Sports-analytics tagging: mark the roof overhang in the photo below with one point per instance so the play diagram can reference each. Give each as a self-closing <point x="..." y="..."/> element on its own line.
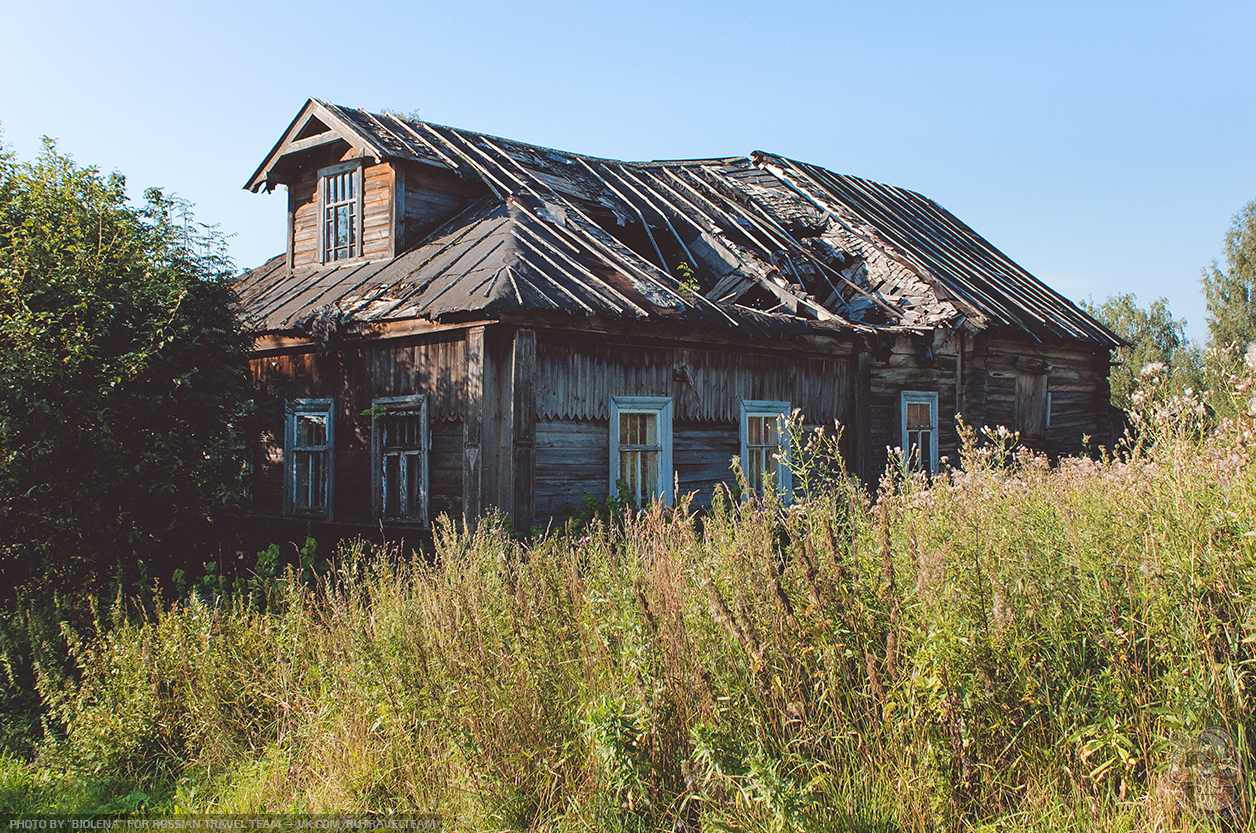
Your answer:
<point x="337" y="129"/>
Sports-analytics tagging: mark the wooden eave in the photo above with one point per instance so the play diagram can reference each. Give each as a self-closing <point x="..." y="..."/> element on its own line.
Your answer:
<point x="337" y="129"/>
<point x="827" y="341"/>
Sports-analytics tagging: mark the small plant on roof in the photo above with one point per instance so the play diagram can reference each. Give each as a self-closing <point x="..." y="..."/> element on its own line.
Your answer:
<point x="687" y="279"/>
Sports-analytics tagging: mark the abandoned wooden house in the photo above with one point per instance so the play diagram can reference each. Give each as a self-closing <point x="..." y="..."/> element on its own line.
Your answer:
<point x="461" y="322"/>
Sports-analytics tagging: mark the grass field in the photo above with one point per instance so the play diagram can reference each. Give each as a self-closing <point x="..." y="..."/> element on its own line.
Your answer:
<point x="1015" y="646"/>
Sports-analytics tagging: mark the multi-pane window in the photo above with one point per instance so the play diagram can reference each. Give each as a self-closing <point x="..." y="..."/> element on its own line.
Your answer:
<point x="341" y="204"/>
<point x="920" y="430"/>
<point x="764" y="446"/>
<point x="400" y="445"/>
<point x="308" y="446"/>
<point x="641" y="448"/>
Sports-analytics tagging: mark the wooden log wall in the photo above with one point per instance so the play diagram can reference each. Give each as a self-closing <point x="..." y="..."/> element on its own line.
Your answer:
<point x="576" y="380"/>
<point x="1076" y="379"/>
<point x="542" y="404"/>
<point x="912" y="364"/>
<point x="353" y="377"/>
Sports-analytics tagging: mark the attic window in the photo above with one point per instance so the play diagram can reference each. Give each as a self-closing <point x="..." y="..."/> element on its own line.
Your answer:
<point x="340" y="201"/>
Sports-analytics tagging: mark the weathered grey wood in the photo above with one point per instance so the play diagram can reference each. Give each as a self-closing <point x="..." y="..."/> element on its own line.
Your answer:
<point x="862" y="416"/>
<point x="473" y="428"/>
<point x="570" y="464"/>
<point x="959" y="373"/>
<point x="523" y="427"/>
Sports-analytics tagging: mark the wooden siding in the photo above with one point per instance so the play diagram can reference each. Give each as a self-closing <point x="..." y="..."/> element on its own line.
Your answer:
<point x="431" y="197"/>
<point x="575" y="380"/>
<point x="303" y="209"/>
<point x="1076" y="381"/>
<point x="377" y="201"/>
<point x="353" y="377"/>
<point x="571" y="462"/>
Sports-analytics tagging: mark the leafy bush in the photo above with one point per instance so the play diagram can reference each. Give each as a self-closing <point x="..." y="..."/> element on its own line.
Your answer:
<point x="121" y="368"/>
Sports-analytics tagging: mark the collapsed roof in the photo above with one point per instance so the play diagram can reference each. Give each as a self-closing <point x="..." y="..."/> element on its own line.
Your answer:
<point x="763" y="243"/>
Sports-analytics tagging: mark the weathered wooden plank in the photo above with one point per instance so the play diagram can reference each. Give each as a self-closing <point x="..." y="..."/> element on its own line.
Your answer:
<point x="862" y="418"/>
<point x="473" y="428"/>
<point x="523" y="383"/>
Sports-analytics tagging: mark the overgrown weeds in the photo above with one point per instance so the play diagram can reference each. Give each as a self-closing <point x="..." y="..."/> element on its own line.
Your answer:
<point x="1013" y="645"/>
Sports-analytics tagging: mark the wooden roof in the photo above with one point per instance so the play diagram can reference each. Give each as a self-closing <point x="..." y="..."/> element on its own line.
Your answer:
<point x="773" y="243"/>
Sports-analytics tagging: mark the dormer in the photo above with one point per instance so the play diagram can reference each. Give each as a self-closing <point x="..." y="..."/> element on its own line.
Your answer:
<point x="357" y="190"/>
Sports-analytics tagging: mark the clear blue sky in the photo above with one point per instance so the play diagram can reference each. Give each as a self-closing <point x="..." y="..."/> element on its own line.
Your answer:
<point x="1104" y="146"/>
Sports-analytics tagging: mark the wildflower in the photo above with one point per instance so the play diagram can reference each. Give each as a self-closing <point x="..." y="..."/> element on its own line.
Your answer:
<point x="1251" y="357"/>
<point x="1152" y="369"/>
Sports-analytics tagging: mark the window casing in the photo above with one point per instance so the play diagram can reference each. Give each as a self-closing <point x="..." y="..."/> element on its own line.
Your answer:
<point x="309" y="458"/>
<point x="400" y="445"/>
<point x="641" y="447"/>
<point x="765" y="445"/>
<point x="340" y="211"/>
<point x="920" y="430"/>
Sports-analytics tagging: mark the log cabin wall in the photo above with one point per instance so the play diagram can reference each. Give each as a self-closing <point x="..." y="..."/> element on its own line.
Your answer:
<point x="911" y="363"/>
<point x="1006" y="371"/>
<point x="428" y="197"/>
<point x="353" y="376"/>
<point x="577" y="378"/>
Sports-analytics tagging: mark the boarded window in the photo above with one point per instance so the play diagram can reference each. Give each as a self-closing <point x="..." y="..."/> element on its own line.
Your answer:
<point x="1032" y="405"/>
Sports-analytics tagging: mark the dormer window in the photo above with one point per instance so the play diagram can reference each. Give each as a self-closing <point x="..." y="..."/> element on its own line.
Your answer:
<point x="340" y="197"/>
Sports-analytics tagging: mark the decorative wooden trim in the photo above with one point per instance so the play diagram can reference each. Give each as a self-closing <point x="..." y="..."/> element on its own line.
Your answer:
<point x="662" y="407"/>
<point x="523" y="417"/>
<point x="781" y="410"/>
<point x="861" y="390"/>
<point x="473" y="430"/>
<point x="287" y="144"/>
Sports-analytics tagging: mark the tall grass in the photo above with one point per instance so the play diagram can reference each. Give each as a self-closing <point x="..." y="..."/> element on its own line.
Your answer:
<point x="1015" y="645"/>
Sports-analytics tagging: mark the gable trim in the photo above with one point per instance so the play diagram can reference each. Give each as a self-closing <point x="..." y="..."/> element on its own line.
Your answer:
<point x="337" y="129"/>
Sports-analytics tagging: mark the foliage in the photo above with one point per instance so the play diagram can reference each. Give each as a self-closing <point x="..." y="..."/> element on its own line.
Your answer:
<point x="121" y="370"/>
<point x="1155" y="337"/>
<point x="1231" y="294"/>
<point x="1010" y="645"/>
<point x="687" y="279"/>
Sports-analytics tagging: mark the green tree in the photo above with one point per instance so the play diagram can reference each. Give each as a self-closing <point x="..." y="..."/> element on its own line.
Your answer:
<point x="1154" y="336"/>
<point x="1231" y="294"/>
<point x="121" y="370"/>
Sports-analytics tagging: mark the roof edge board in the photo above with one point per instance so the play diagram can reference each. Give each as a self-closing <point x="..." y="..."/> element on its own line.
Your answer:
<point x="337" y="126"/>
